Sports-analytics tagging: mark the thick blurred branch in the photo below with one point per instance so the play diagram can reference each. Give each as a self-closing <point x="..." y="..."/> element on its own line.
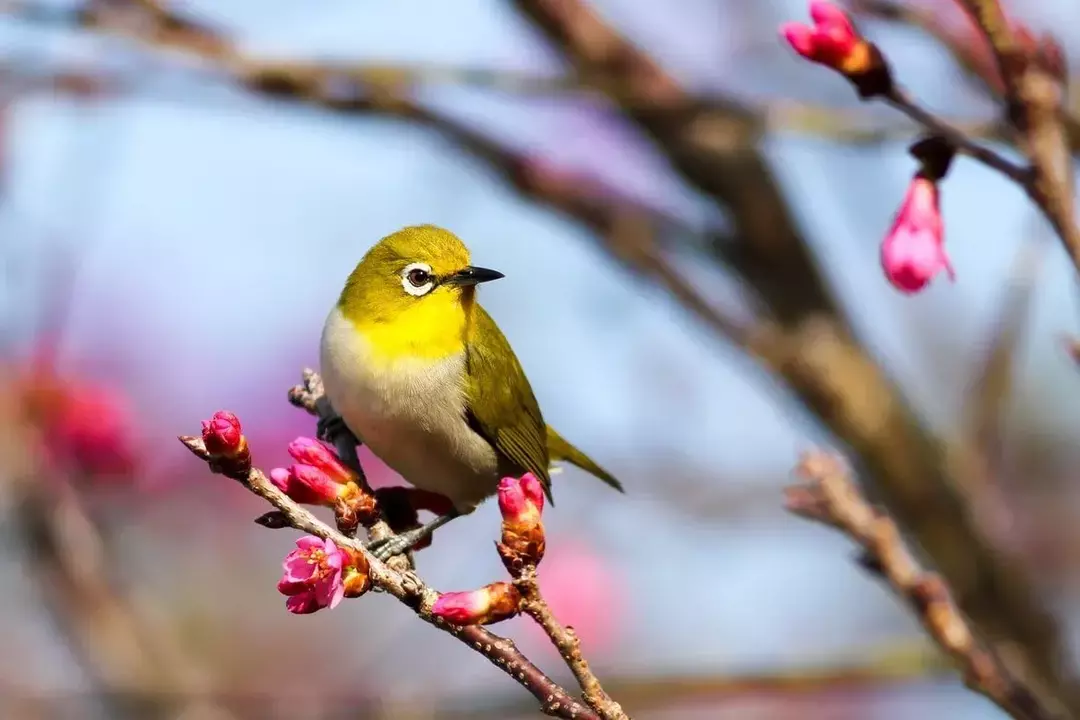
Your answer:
<point x="831" y="497"/>
<point x="813" y="348"/>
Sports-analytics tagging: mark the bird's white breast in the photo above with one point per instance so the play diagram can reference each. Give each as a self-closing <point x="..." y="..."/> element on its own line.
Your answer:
<point x="411" y="413"/>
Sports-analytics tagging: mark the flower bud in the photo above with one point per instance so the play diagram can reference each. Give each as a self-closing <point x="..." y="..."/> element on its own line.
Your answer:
<point x="832" y="41"/>
<point x="913" y="251"/>
<point x="311" y="452"/>
<point x="521" y="502"/>
<point x="225" y="444"/>
<point x="221" y="434"/>
<point x="489" y="604"/>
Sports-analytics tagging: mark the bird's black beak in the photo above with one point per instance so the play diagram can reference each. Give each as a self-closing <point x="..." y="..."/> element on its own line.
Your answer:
<point x="473" y="276"/>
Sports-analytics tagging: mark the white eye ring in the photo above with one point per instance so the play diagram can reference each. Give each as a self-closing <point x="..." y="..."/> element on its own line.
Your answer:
<point x="413" y="270"/>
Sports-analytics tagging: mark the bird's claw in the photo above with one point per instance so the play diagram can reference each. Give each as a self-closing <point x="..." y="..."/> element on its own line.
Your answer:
<point x="387" y="548"/>
<point x="327" y="428"/>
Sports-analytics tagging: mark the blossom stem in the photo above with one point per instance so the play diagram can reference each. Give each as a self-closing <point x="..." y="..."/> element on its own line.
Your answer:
<point x="902" y="101"/>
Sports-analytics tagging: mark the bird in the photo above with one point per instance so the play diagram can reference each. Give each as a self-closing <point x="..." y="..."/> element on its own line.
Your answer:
<point x="422" y="375"/>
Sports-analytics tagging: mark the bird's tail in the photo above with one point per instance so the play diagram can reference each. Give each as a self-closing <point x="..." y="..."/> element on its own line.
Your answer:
<point x="560" y="449"/>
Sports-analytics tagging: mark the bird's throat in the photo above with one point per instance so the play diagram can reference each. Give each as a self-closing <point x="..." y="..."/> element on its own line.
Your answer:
<point x="433" y="329"/>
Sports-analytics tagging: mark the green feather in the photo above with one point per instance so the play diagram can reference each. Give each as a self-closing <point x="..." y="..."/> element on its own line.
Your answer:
<point x="500" y="407"/>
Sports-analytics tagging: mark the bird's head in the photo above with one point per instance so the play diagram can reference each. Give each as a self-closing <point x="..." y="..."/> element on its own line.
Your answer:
<point x="418" y="281"/>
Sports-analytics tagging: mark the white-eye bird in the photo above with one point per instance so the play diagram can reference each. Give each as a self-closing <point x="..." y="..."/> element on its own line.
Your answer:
<point x="422" y="375"/>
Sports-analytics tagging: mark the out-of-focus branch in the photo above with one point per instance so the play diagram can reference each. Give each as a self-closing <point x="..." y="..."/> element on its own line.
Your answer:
<point x="966" y="48"/>
<point x="68" y="558"/>
<point x="405" y="586"/>
<point x="811" y="345"/>
<point x="991" y="390"/>
<point x="1034" y="97"/>
<point x="831" y="497"/>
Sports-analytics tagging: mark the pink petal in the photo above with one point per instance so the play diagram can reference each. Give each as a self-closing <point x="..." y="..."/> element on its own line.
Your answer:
<point x="800" y="37"/>
<point x="826" y="14"/>
<point x="304" y="604"/>
<point x="280" y="479"/>
<point x="310" y="542"/>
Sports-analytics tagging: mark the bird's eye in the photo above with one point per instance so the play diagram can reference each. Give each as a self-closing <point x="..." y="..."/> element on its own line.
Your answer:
<point x="418" y="277"/>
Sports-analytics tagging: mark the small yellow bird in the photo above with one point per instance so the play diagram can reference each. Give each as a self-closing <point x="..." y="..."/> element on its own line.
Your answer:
<point x="420" y="373"/>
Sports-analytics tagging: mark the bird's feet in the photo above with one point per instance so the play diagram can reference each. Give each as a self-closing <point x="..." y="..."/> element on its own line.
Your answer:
<point x="404" y="541"/>
<point x="399" y="544"/>
<point x="329" y="428"/>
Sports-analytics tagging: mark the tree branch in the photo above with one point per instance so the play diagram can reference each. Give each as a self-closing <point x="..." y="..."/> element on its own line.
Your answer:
<point x="830" y="497"/>
<point x="406" y="586"/>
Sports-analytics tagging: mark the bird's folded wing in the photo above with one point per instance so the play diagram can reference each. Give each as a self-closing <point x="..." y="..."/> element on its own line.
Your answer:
<point x="499" y="402"/>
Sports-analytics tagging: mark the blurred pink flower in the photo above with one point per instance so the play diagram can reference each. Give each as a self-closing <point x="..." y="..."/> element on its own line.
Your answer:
<point x="313" y="576"/>
<point x="913" y="252"/>
<point x="85" y="426"/>
<point x="831" y="41"/>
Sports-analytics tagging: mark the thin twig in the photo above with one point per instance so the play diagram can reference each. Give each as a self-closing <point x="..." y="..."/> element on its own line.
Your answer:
<point x="831" y="497"/>
<point x="902" y="101"/>
<point x="568" y="644"/>
<point x="410" y="590"/>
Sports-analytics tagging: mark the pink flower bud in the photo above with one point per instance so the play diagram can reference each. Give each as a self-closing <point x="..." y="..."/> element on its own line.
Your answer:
<point x="521" y="500"/>
<point x="221" y="434"/>
<point x="489" y="604"/>
<point x="913" y="252"/>
<point x="832" y="41"/>
<point x="307" y="485"/>
<point x="314" y="575"/>
<point x="312" y="452"/>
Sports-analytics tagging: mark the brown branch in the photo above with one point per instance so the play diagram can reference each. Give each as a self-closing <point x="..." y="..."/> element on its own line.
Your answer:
<point x="965" y="48"/>
<point x="902" y="101"/>
<point x="567" y="642"/>
<point x="406" y="586"/>
<point x="1035" y="107"/>
<point x="811" y="346"/>
<point x="830" y="497"/>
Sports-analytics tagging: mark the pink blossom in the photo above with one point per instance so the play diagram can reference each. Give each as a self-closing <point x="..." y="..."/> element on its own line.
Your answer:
<point x="831" y="41"/>
<point x="92" y="429"/>
<point x="913" y="252"/>
<point x="521" y="500"/>
<point x="311" y="452"/>
<point x="313" y="576"/>
<point x="221" y="434"/>
<point x="306" y="484"/>
<point x="483" y="606"/>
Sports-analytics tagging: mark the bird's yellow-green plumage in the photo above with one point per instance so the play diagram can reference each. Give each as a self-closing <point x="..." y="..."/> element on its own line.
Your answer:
<point x="423" y="375"/>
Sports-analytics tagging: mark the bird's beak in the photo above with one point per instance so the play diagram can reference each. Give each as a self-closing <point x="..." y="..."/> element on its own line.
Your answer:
<point x="473" y="276"/>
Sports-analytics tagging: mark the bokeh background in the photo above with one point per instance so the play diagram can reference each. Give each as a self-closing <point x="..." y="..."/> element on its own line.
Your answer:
<point x="171" y="238"/>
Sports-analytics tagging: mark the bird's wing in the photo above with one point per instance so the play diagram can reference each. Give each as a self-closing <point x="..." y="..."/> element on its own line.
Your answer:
<point x="560" y="449"/>
<point x="499" y="402"/>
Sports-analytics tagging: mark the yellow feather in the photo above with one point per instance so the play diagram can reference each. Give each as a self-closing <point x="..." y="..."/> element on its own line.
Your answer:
<point x="430" y="330"/>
